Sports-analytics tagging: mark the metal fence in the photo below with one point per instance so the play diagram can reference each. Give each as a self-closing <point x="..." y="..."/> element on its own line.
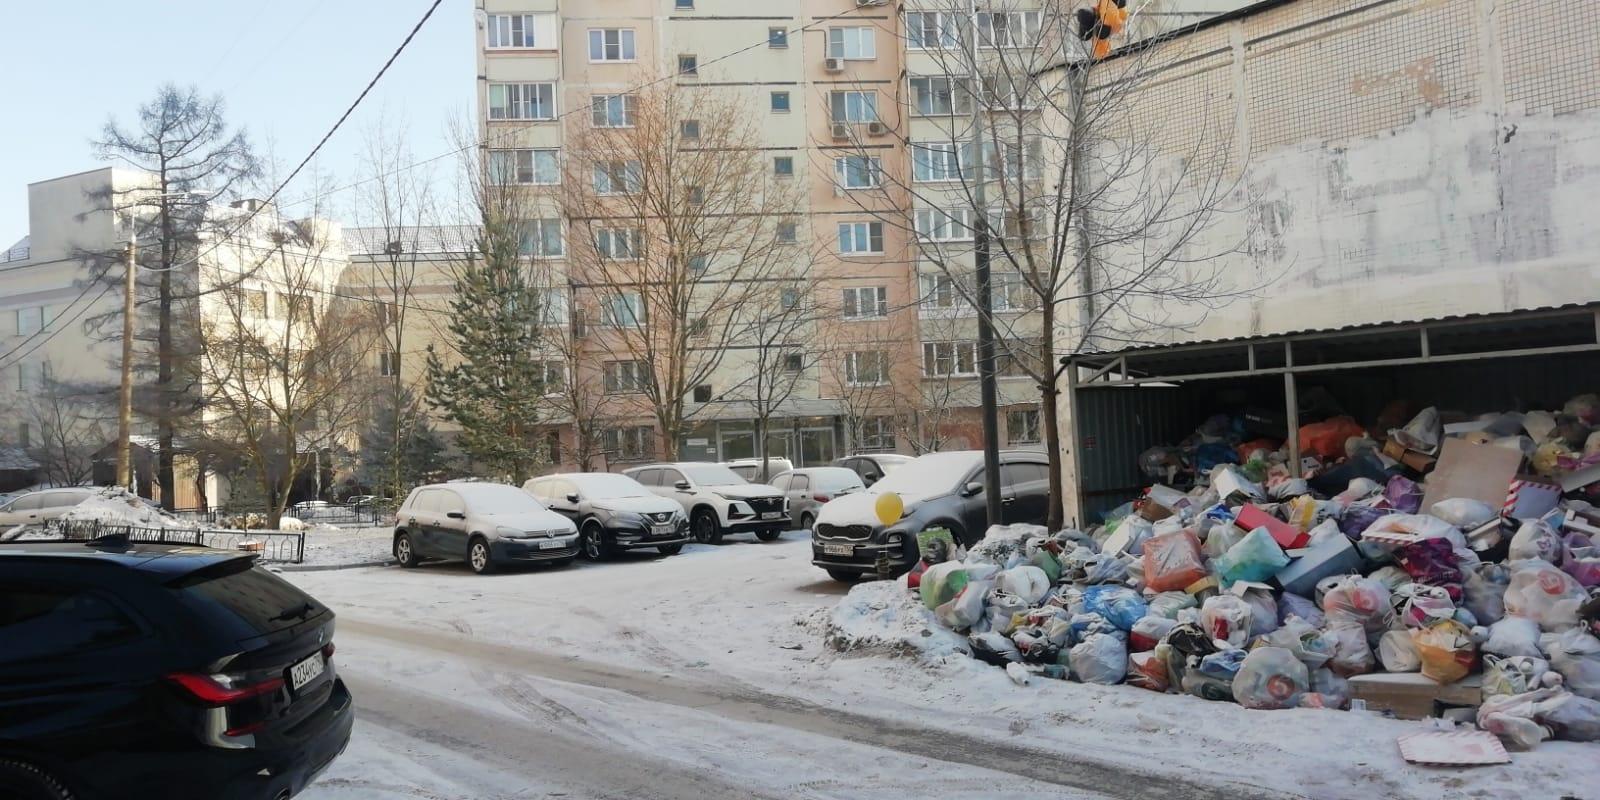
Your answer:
<point x="338" y="516"/>
<point x="284" y="546"/>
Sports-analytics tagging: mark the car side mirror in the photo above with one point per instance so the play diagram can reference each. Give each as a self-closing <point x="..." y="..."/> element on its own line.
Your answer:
<point x="682" y="486"/>
<point x="972" y="489"/>
<point x="456" y="514"/>
<point x="572" y="498"/>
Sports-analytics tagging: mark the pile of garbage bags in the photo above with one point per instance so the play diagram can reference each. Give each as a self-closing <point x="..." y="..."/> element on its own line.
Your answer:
<point x="1269" y="594"/>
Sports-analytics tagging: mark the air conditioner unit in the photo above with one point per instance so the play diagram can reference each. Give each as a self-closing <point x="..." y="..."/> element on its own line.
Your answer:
<point x="877" y="129"/>
<point x="841" y="130"/>
<point x="833" y="64"/>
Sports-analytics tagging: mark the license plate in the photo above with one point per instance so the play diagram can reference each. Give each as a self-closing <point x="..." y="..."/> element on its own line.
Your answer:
<point x="551" y="544"/>
<point x="772" y="515"/>
<point x="306" y="671"/>
<point x="665" y="527"/>
<point x="839" y="549"/>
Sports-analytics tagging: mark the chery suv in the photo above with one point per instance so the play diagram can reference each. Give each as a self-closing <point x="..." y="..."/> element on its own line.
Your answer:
<point x="717" y="500"/>
<point x="613" y="513"/>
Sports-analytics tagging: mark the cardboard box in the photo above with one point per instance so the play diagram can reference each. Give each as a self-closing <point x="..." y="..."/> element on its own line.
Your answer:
<point x="1412" y="459"/>
<point x="1331" y="555"/>
<point x="1409" y="695"/>
<point x="1479" y="471"/>
<point x="1287" y="536"/>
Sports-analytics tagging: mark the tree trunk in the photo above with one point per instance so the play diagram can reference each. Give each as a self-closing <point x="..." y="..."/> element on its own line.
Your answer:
<point x="1052" y="430"/>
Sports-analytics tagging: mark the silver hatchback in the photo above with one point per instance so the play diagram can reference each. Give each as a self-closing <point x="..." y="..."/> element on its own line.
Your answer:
<point x="809" y="488"/>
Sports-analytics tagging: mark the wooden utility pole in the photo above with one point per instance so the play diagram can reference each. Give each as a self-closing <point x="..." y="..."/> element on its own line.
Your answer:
<point x="125" y="394"/>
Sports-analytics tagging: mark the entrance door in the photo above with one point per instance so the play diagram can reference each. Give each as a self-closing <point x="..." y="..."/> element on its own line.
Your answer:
<point x="816" y="447"/>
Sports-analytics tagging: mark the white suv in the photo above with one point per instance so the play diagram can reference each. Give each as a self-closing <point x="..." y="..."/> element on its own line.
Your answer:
<point x="717" y="500"/>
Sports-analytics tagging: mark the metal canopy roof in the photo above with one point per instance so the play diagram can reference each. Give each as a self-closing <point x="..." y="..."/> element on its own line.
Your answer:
<point x="1562" y="329"/>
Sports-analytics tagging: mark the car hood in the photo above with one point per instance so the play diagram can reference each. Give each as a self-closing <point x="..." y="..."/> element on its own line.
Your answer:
<point x="745" y="492"/>
<point x="530" y="521"/>
<point x="649" y="504"/>
<point x="856" y="508"/>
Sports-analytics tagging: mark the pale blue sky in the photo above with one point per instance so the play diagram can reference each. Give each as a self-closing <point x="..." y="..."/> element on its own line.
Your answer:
<point x="288" y="68"/>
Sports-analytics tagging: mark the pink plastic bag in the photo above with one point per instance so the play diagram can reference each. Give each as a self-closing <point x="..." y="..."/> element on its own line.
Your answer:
<point x="1362" y="602"/>
<point x="1173" y="562"/>
<point x="1581" y="559"/>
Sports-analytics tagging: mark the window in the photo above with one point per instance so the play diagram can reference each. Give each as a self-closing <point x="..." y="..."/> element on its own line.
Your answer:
<point x="857" y="172"/>
<point x="778" y="37"/>
<point x="1008" y="92"/>
<point x="877" y="433"/>
<point x="521" y="30"/>
<point x="789" y="298"/>
<point x="387" y="313"/>
<point x="861" y="237"/>
<point x="541" y="238"/>
<point x="700" y="328"/>
<point x="388" y="364"/>
<point x="542" y="167"/>
<point x="614" y="110"/>
<point x="1017" y="159"/>
<point x="940" y="95"/>
<point x="616" y="177"/>
<point x="855" y="44"/>
<point x="853" y="106"/>
<point x="1008" y="28"/>
<point x="941" y="359"/>
<point x="932" y="30"/>
<point x="522" y="101"/>
<point x="631" y="444"/>
<point x="30" y="320"/>
<point x="944" y="224"/>
<point x="866" y="367"/>
<point x="939" y="161"/>
<point x="30" y="377"/>
<point x="51" y="621"/>
<point x="624" y="376"/>
<point x="552" y="376"/>
<point x="1009" y="292"/>
<point x="688" y="64"/>
<point x="698" y="264"/>
<point x="939" y="292"/>
<point x="689" y="129"/>
<point x="783" y="166"/>
<point x="683" y="5"/>
<point x="623" y="310"/>
<point x="253" y="303"/>
<point x="552" y="444"/>
<point x="702" y="393"/>
<point x="611" y="44"/>
<point x="552" y="306"/>
<point x="788" y="232"/>
<point x="1022" y="426"/>
<point x="297" y="306"/>
<point x="1017" y="473"/>
<point x="865" y="302"/>
<point x="697" y="195"/>
<point x="794" y="362"/>
<point x="618" y="244"/>
<point x="780" y="102"/>
<point x="1016" y="358"/>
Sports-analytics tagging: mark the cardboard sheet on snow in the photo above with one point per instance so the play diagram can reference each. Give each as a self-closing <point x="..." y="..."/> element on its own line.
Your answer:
<point x="1479" y="471"/>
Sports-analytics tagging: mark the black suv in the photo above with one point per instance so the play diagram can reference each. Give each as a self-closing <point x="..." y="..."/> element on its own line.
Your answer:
<point x="151" y="670"/>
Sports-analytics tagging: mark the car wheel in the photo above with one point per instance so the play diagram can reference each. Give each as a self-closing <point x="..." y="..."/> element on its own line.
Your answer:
<point x="403" y="551"/>
<point x="706" y="528"/>
<point x="670" y="549"/>
<point x="594" y="542"/>
<point x="842" y="576"/>
<point x="25" y="781"/>
<point x="808" y="520"/>
<point x="769" y="535"/>
<point x="479" y="556"/>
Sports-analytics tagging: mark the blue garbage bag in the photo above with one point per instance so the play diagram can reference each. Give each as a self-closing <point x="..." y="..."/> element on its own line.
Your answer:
<point x="1119" y="605"/>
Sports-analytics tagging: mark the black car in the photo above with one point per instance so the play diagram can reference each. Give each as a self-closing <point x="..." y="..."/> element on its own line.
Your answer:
<point x="613" y="513"/>
<point x="939" y="490"/>
<point x="872" y="467"/>
<point x="161" y="671"/>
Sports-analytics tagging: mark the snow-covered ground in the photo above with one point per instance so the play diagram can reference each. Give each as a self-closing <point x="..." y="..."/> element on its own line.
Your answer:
<point x="712" y="666"/>
<point x="326" y="545"/>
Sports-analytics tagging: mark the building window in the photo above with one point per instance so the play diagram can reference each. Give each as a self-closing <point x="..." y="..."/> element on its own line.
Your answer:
<point x="1015" y="358"/>
<point x="944" y="224"/>
<point x="932" y="30"/>
<point x="783" y="166"/>
<point x="541" y="238"/>
<point x="939" y="292"/>
<point x="860" y="237"/>
<point x="525" y="101"/>
<point x="629" y="444"/>
<point x="689" y="129"/>
<point x="552" y="445"/>
<point x="789" y="298"/>
<point x="853" y="106"/>
<point x="683" y="5"/>
<point x="616" y="177"/>
<point x="943" y="359"/>
<point x="30" y="320"/>
<point x="611" y="44"/>
<point x="778" y="37"/>
<point x="688" y="64"/>
<point x="855" y="44"/>
<point x="877" y="433"/>
<point x="857" y="172"/>
<point x="1022" y="427"/>
<point x="1008" y="93"/>
<point x="623" y="310"/>
<point x="702" y="393"/>
<point x="865" y="302"/>
<point x="1008" y="28"/>
<point x="624" y="376"/>
<point x="794" y="362"/>
<point x="617" y="244"/>
<point x="698" y="264"/>
<point x="387" y="313"/>
<point x="552" y="307"/>
<point x="938" y="161"/>
<point x="1010" y="292"/>
<point x="552" y="376"/>
<point x="700" y="328"/>
<point x="614" y="110"/>
<point x="536" y="31"/>
<point x="788" y="232"/>
<point x="31" y="377"/>
<point x="940" y="95"/>
<point x="780" y="102"/>
<point x="253" y="303"/>
<point x="697" y="195"/>
<point x="542" y="167"/>
<point x="297" y="306"/>
<point x="389" y="364"/>
<point x="866" y="367"/>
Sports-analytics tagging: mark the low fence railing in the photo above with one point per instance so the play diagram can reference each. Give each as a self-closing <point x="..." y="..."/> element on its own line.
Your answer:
<point x="282" y="546"/>
<point x="338" y="516"/>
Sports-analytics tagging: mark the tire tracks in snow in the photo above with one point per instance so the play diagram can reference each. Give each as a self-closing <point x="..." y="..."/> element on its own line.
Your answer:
<point x="1079" y="771"/>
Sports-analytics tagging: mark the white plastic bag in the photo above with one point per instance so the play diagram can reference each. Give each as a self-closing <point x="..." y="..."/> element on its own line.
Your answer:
<point x="1513" y="636"/>
<point x="1398" y="653"/>
<point x="1099" y="658"/>
<point x="1534" y="539"/>
<point x="1351" y="653"/>
<point x="1168" y="604"/>
<point x="1227" y="618"/>
<point x="1362" y="602"/>
<point x="1270" y="678"/>
<point x="964" y="611"/>
<point x="1516" y="675"/>
<point x="1463" y="512"/>
<point x="1303" y="640"/>
<point x="1545" y="594"/>
<point x="1576" y="655"/>
<point x="1484" y="592"/>
<point x="1002" y="607"/>
<point x="1027" y="582"/>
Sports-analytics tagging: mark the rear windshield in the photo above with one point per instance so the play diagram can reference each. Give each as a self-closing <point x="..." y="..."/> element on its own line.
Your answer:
<point x="246" y="600"/>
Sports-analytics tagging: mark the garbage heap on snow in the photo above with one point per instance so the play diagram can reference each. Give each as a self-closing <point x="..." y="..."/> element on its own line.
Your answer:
<point x="1456" y="573"/>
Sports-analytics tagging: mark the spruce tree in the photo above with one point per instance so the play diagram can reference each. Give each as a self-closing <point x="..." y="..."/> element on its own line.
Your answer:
<point x="390" y="470"/>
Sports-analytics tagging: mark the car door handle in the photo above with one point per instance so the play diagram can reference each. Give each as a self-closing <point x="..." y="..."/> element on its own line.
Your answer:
<point x="1006" y="501"/>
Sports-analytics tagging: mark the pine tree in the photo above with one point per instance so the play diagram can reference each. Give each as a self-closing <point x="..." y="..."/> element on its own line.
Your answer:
<point x="389" y="470"/>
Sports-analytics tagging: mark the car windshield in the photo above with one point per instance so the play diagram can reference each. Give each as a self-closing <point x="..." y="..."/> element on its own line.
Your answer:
<point x="484" y="499"/>
<point x="600" y="486"/>
<point x="928" y="476"/>
<point x="833" y="479"/>
<point x="890" y="464"/>
<point x="712" y="475"/>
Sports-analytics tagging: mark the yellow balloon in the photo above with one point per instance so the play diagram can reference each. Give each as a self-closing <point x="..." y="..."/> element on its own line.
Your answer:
<point x="889" y="507"/>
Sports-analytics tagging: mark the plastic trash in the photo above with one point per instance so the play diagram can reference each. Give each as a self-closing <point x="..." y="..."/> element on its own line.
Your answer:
<point x="1017" y="673"/>
<point x="1327" y="438"/>
<point x="941" y="583"/>
<point x="1516" y="675"/>
<point x="1263" y="611"/>
<point x="1027" y="582"/>
<point x="1446" y="650"/>
<point x="1172" y="562"/>
<point x="1168" y="604"/>
<point x="1227" y="618"/>
<point x="992" y="648"/>
<point x="1581" y="559"/>
<point x="1513" y="636"/>
<point x="1099" y="658"/>
<point x="965" y="609"/>
<point x="1149" y="631"/>
<point x="1398" y="653"/>
<point x="1223" y="664"/>
<point x="1303" y="640"/>
<point x="1328" y="689"/>
<point x="1270" y="678"/>
<point x="1082" y="626"/>
<point x="1220" y="538"/>
<point x="1403" y="494"/>
<point x="1534" y="539"/>
<point x="1524" y="720"/>
<point x="1545" y="594"/>
<point x="1357" y="490"/>
<point x="1350" y="653"/>
<point x="1424" y="605"/>
<point x="1362" y="602"/>
<point x="1046" y="561"/>
<point x="1105" y="568"/>
<point x="1576" y="655"/>
<point x="1147" y="670"/>
<point x="1293" y="605"/>
<point x="1119" y="605"/>
<point x="1003" y="607"/>
<point x="1483" y="592"/>
<point x="1256" y="557"/>
<point x="1463" y="512"/>
<point x="1422" y="432"/>
<point x="1357" y="519"/>
<point x="1206" y="687"/>
<point x="1431" y="562"/>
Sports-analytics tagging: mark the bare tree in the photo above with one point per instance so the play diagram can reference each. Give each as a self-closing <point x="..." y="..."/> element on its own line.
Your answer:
<point x="779" y="357"/>
<point x="66" y="430"/>
<point x="1065" y="173"/>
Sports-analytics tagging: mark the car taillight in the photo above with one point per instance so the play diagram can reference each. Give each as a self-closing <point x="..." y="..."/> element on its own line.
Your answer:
<point x="221" y="690"/>
<point x="821" y="498"/>
<point x="327" y="652"/>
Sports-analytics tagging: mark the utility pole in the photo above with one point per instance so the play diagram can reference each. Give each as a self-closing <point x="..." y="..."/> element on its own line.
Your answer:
<point x="125" y="393"/>
<point x="980" y="248"/>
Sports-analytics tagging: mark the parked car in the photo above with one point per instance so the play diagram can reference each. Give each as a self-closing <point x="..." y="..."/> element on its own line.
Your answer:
<point x="613" y="513"/>
<point x="872" y="467"/>
<point x="750" y="468"/>
<point x="153" y="670"/>
<point x="38" y="508"/>
<point x="717" y="500"/>
<point x="809" y="488"/>
<point x="488" y="525"/>
<point x="939" y="490"/>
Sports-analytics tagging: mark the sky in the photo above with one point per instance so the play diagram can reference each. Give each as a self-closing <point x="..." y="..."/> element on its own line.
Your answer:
<point x="286" y="68"/>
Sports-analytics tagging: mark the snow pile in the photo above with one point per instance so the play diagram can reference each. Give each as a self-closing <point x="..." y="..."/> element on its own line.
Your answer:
<point x="883" y="617"/>
<point x="113" y="505"/>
